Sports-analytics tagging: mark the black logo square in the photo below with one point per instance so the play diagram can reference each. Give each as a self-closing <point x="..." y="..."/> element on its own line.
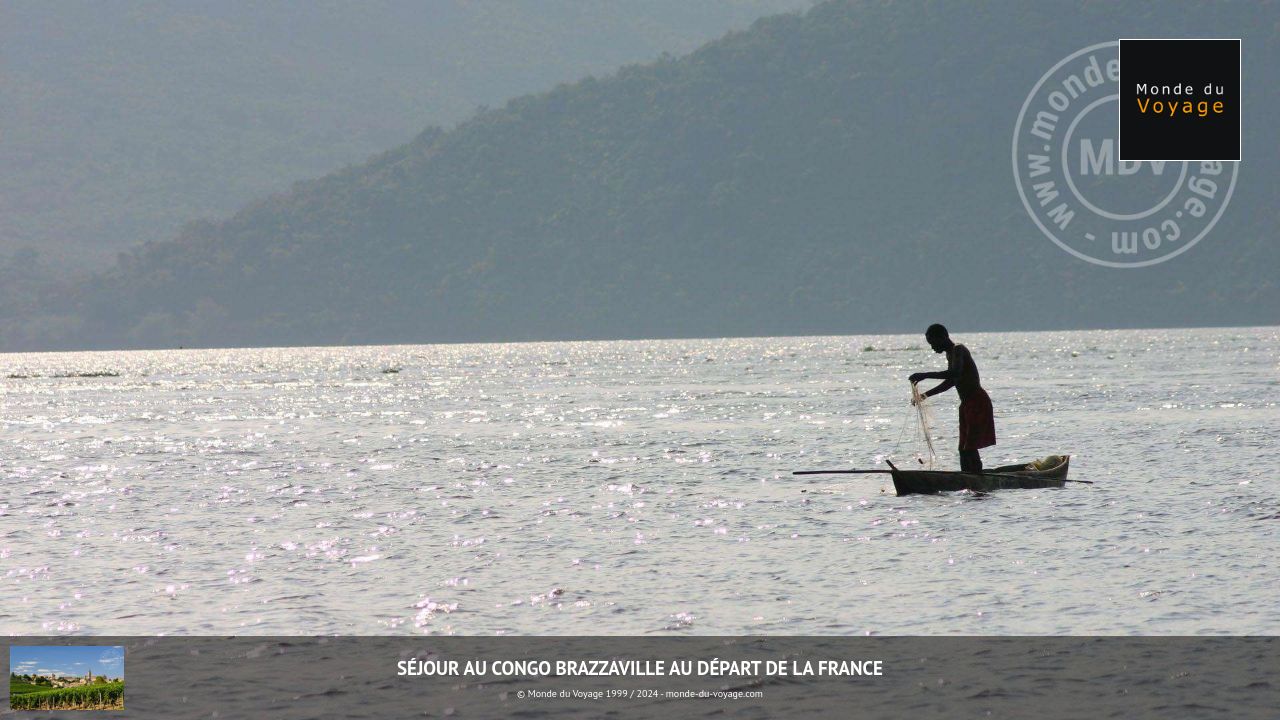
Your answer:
<point x="1179" y="99"/>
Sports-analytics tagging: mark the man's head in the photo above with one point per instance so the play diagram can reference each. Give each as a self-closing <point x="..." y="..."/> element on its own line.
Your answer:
<point x="938" y="338"/>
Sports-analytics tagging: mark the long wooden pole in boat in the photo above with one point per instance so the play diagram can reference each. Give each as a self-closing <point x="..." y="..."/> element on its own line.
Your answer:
<point x="849" y="472"/>
<point x="839" y="472"/>
<point x="889" y="472"/>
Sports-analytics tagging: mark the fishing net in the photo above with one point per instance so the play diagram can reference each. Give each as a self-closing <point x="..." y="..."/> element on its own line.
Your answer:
<point x="925" y="454"/>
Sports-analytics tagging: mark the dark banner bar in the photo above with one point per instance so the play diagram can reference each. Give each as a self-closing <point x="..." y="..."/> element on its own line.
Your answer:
<point x="666" y="677"/>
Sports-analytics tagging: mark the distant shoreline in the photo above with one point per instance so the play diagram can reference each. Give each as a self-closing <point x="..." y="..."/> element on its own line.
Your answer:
<point x="920" y="331"/>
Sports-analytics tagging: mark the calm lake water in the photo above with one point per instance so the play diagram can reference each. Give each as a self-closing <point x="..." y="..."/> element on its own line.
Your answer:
<point x="636" y="488"/>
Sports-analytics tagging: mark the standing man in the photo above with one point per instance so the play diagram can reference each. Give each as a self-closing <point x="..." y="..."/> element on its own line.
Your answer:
<point x="977" y="419"/>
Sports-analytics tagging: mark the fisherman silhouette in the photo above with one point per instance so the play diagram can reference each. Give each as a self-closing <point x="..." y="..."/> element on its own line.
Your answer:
<point x="977" y="419"/>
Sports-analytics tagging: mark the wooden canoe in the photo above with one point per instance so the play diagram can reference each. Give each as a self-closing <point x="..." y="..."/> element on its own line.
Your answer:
<point x="1007" y="477"/>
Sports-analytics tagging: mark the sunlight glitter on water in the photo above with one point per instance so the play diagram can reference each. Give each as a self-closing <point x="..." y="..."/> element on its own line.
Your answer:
<point x="646" y="483"/>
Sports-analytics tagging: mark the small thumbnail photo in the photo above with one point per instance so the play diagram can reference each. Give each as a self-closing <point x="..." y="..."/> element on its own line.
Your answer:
<point x="66" y="677"/>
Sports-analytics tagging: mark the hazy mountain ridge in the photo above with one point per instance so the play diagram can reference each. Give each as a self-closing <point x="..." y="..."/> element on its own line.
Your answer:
<point x="844" y="171"/>
<point x="123" y="121"/>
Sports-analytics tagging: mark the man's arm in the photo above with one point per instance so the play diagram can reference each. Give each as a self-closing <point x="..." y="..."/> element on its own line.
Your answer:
<point x="942" y="387"/>
<point x="955" y="363"/>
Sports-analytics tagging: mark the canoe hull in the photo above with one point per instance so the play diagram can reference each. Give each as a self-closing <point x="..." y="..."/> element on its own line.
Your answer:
<point x="1009" y="477"/>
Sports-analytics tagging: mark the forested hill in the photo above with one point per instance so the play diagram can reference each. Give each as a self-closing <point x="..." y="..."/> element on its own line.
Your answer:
<point x="842" y="171"/>
<point x="120" y="121"/>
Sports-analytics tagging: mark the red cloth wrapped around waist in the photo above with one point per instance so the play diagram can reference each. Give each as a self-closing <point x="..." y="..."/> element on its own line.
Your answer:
<point x="977" y="421"/>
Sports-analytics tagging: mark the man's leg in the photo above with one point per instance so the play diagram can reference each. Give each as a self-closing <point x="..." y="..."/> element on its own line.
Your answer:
<point x="970" y="461"/>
